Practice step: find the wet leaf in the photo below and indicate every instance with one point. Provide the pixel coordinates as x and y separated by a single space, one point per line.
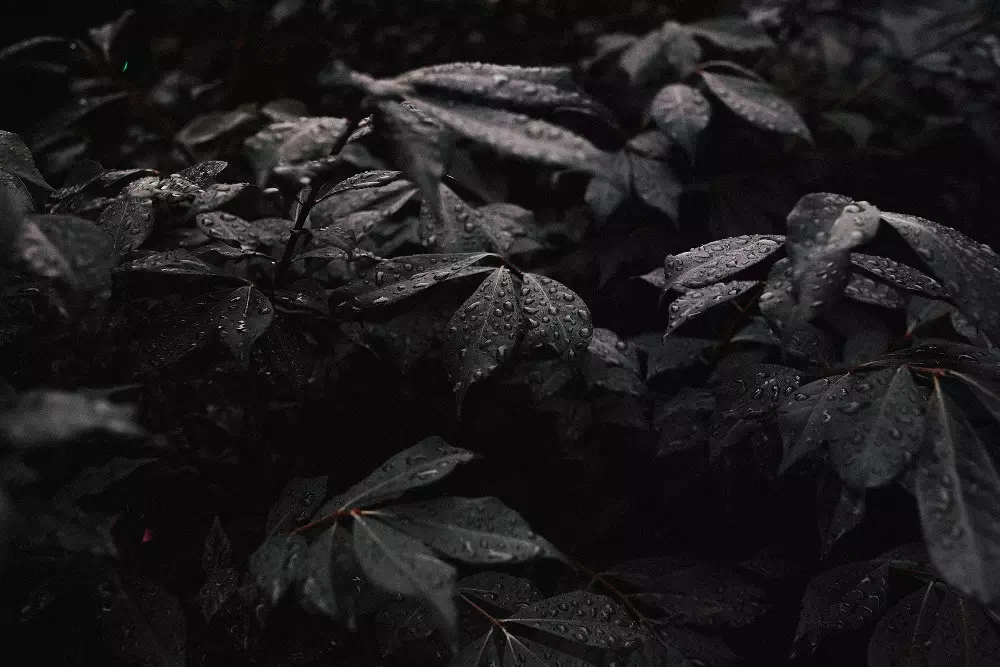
48 417
66 248
718 260
846 512
400 564
128 221
276 564
674 353
420 146
515 134
969 271
613 364
898 275
228 228
173 262
732 33
212 125
934 627
681 112
362 201
390 281
15 158
863 289
179 332
822 230
292 141
220 586
425 463
655 184
298 501
500 591
668 50
474 530
482 333
582 618
242 318
957 487
554 316
461 228
203 174
757 103
695 302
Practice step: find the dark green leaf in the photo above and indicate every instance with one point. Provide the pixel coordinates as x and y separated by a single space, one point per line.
173 262
276 564
757 103
681 112
957 488
419 146
695 302
15 158
655 184
397 563
718 260
425 463
228 228
128 221
210 126
474 530
582 618
242 318
482 333
461 228
499 591
292 141
298 501
898 275
732 33
555 317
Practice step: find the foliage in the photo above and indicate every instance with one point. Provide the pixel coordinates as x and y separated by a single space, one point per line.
708 409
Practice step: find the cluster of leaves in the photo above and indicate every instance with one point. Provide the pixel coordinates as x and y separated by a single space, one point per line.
477 250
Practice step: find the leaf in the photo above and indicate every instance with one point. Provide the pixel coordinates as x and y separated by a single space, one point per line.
212 125
361 202
757 103
822 230
931 627
681 112
292 141
847 511
390 281
419 146
969 271
426 462
554 316
877 425
218 550
583 618
613 364
204 173
482 332
898 275
461 228
142 623
173 262
518 135
848 597
732 33
692 304
474 530
275 565
499 591
957 487
298 501
528 88
48 417
67 248
718 260
674 353
326 580
128 221
605 194
93 480
399 564
179 332
655 184
241 319
863 289
228 228
220 586
15 158
668 50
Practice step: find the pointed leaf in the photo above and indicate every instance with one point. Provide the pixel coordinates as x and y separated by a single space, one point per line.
298 501
957 488
482 333
218 550
212 125
425 463
355 208
582 618
898 275
419 146
179 332
461 228
969 271
845 598
732 33
499 590
242 318
877 425
692 304
275 565
613 364
326 579
555 317
518 135
655 184
846 513
474 530
682 112
718 260
15 158
227 227
173 262
292 141
757 103
128 221
203 174
397 563
863 289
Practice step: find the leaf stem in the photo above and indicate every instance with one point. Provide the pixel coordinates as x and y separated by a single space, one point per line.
303 208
